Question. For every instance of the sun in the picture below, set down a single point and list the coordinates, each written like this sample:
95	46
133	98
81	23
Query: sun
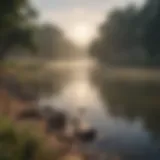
81	33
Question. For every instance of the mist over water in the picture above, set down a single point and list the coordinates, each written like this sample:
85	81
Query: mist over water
101	55
114	134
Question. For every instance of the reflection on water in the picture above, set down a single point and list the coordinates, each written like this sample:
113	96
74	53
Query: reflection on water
122	112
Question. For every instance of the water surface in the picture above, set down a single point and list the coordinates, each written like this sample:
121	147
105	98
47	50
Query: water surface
117	133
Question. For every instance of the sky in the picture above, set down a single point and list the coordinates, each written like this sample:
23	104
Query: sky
79	19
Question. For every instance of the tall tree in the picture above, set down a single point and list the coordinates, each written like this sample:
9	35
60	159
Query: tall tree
130	36
16	25
52	43
152	32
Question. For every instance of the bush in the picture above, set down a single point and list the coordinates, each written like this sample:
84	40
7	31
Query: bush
22	145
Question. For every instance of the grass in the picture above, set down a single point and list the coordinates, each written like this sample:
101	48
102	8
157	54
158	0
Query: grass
18	144
31	75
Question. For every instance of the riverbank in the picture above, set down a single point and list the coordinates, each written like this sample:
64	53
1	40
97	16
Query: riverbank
20	89
55	143
14	99
12	107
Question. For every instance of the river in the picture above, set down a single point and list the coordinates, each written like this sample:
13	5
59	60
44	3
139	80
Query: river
117	135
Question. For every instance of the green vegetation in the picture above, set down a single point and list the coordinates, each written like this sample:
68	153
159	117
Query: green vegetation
16	25
22	145
130	37
19	31
127	48
35	78
21	35
52	44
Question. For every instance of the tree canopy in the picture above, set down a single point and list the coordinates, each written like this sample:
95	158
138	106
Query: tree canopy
130	36
16	25
52	43
19	31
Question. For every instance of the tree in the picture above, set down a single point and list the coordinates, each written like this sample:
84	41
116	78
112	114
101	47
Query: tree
51	43
16	25
46	38
152	34
118	36
130	36
122	32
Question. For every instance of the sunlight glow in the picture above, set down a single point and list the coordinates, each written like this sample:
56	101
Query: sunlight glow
81	33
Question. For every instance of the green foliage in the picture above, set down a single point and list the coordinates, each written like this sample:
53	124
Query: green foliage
21	145
19	30
152	34
16	25
52	44
130	36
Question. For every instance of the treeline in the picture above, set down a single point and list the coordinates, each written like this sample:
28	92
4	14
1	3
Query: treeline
51	43
21	35
130	37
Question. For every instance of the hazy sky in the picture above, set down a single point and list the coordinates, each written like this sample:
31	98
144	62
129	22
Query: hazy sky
78	18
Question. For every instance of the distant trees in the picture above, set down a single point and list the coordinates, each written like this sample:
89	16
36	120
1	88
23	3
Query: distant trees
19	31
130	36
52	43
47	38
16	25
152	32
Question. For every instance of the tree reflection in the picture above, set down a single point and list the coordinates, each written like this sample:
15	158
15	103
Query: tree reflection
132	99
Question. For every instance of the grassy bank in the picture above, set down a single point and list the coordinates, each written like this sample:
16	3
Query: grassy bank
16	144
33	76
29	79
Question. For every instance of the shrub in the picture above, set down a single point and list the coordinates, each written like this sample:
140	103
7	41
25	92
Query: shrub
22	145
